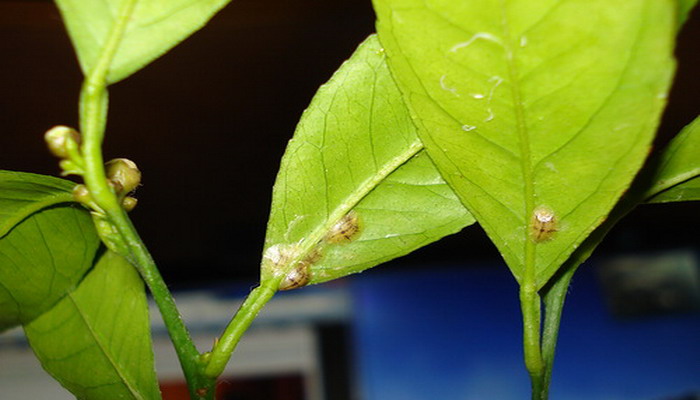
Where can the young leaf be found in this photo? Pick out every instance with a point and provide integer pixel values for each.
(354, 188)
(153, 28)
(96, 342)
(537, 113)
(46, 245)
(677, 173)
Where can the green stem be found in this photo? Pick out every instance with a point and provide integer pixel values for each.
(93, 118)
(554, 296)
(200, 386)
(530, 306)
(221, 353)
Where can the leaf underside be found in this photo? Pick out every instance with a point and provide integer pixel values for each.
(96, 342)
(46, 245)
(154, 27)
(678, 169)
(533, 108)
(356, 149)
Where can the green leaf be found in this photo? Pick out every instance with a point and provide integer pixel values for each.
(684, 9)
(686, 191)
(46, 245)
(533, 109)
(355, 157)
(96, 342)
(153, 28)
(22, 194)
(678, 168)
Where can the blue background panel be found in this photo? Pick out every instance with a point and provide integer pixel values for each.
(455, 333)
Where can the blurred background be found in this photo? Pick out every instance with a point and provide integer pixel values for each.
(207, 124)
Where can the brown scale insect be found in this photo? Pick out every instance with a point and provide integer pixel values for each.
(301, 274)
(345, 230)
(297, 277)
(543, 225)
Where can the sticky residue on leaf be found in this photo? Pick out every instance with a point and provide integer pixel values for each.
(543, 224)
(345, 230)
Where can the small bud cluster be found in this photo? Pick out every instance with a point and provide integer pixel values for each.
(122, 174)
(124, 177)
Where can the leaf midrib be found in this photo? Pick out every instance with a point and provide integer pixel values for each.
(525, 161)
(352, 200)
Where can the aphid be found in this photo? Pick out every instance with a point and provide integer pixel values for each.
(543, 225)
(345, 230)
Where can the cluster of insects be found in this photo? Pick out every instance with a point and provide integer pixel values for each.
(344, 231)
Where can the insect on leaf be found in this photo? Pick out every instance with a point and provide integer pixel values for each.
(524, 105)
(355, 188)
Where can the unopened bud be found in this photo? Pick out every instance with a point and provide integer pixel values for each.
(60, 139)
(129, 203)
(81, 194)
(124, 174)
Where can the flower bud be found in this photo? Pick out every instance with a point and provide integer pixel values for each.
(60, 139)
(129, 203)
(124, 174)
(81, 194)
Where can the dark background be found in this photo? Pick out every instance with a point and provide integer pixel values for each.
(208, 122)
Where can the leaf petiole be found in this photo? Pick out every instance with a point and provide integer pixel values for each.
(221, 352)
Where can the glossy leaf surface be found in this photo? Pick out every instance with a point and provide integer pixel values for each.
(46, 245)
(677, 173)
(96, 342)
(153, 28)
(533, 109)
(356, 149)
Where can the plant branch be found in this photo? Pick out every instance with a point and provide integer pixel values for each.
(200, 387)
(93, 117)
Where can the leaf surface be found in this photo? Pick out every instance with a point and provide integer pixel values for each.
(533, 110)
(684, 9)
(46, 245)
(23, 193)
(153, 28)
(676, 177)
(356, 150)
(685, 191)
(96, 342)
